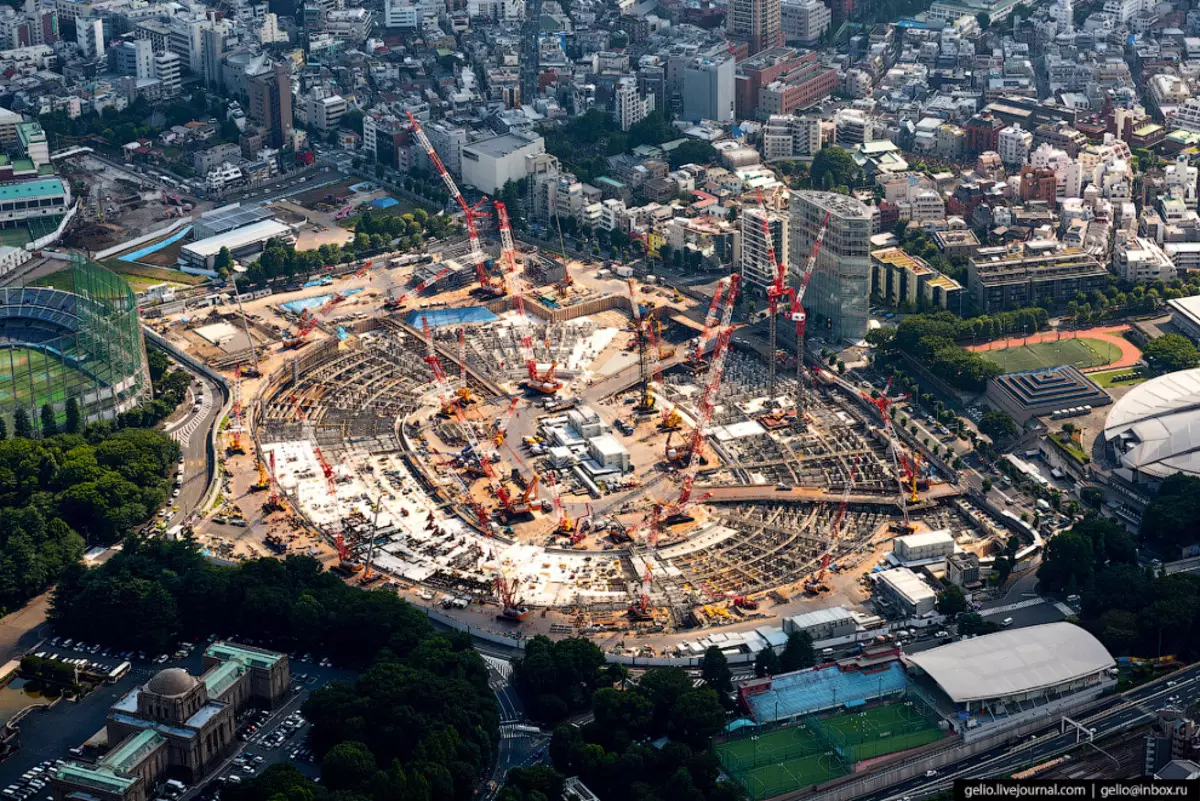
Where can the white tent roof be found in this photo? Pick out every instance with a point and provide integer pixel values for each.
(1014, 661)
(1159, 425)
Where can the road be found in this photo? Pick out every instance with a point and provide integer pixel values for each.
(191, 430)
(1116, 715)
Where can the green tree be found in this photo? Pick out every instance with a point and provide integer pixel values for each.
(3, 429)
(998, 425)
(951, 601)
(347, 766)
(984, 20)
(766, 663)
(1170, 353)
(833, 166)
(692, 151)
(49, 423)
(1172, 519)
(74, 422)
(798, 653)
(22, 427)
(714, 670)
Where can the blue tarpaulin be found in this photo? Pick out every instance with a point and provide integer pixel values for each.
(172, 239)
(385, 202)
(316, 302)
(442, 317)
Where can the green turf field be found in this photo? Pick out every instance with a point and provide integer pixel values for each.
(791, 775)
(15, 237)
(1083, 353)
(33, 378)
(1108, 378)
(881, 730)
(779, 762)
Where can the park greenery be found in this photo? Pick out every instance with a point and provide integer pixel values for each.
(1128, 606)
(373, 233)
(418, 723)
(998, 425)
(932, 339)
(584, 144)
(1169, 353)
(1172, 520)
(556, 678)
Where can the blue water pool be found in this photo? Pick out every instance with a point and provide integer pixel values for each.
(440, 317)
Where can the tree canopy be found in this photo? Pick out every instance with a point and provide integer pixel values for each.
(833, 167)
(1169, 353)
(1172, 519)
(998, 424)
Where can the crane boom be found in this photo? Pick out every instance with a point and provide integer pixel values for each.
(516, 286)
(775, 292)
(710, 319)
(475, 256)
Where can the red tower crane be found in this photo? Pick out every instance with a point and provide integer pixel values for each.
(398, 303)
(797, 312)
(506, 590)
(476, 254)
(641, 609)
(516, 285)
(710, 320)
(883, 404)
(776, 291)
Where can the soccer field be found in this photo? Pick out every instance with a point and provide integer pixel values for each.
(1083, 352)
(779, 762)
(33, 378)
(881, 730)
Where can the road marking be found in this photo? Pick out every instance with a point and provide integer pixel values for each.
(501, 666)
(999, 610)
(183, 434)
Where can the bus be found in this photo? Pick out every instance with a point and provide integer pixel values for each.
(118, 673)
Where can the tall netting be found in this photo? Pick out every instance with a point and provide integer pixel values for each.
(77, 336)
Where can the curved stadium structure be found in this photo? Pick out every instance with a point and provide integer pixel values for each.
(82, 342)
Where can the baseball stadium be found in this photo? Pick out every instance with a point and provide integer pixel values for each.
(83, 342)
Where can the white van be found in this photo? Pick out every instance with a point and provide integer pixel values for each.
(1006, 622)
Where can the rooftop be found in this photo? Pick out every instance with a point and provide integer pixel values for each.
(1014, 661)
(501, 146)
(238, 238)
(132, 750)
(1156, 425)
(31, 189)
(251, 657)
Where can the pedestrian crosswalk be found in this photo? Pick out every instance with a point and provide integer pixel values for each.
(1000, 610)
(501, 666)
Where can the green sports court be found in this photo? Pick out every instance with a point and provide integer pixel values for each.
(1082, 352)
(819, 749)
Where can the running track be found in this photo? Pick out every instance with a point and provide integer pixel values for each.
(1110, 334)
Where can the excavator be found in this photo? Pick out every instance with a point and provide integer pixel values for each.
(519, 506)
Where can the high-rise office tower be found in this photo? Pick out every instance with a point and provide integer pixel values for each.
(759, 22)
(754, 258)
(838, 292)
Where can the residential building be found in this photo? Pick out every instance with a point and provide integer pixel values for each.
(33, 142)
(629, 106)
(271, 104)
(983, 133)
(1180, 178)
(1014, 145)
(1031, 274)
(785, 136)
(757, 22)
(213, 35)
(384, 137)
(801, 87)
(89, 35)
(401, 14)
(167, 71)
(839, 291)
(186, 41)
(491, 163)
(325, 113)
(708, 88)
(1138, 259)
(135, 57)
(804, 21)
(902, 279)
(755, 263)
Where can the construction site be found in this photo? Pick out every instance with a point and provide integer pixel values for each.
(546, 447)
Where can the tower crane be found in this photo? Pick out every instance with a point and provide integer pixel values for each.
(475, 256)
(506, 590)
(777, 291)
(516, 284)
(641, 338)
(816, 584)
(368, 576)
(565, 525)
(236, 428)
(641, 609)
(696, 358)
(797, 311)
(884, 406)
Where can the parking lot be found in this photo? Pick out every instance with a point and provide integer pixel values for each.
(46, 736)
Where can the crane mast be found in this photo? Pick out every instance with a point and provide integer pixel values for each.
(710, 320)
(775, 292)
(516, 285)
(797, 312)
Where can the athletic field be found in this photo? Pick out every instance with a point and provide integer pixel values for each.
(882, 730)
(1082, 352)
(779, 761)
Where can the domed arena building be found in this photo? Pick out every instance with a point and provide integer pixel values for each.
(1153, 432)
(79, 338)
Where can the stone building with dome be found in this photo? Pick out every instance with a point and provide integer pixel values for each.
(177, 725)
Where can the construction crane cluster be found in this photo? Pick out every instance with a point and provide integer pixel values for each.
(883, 403)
